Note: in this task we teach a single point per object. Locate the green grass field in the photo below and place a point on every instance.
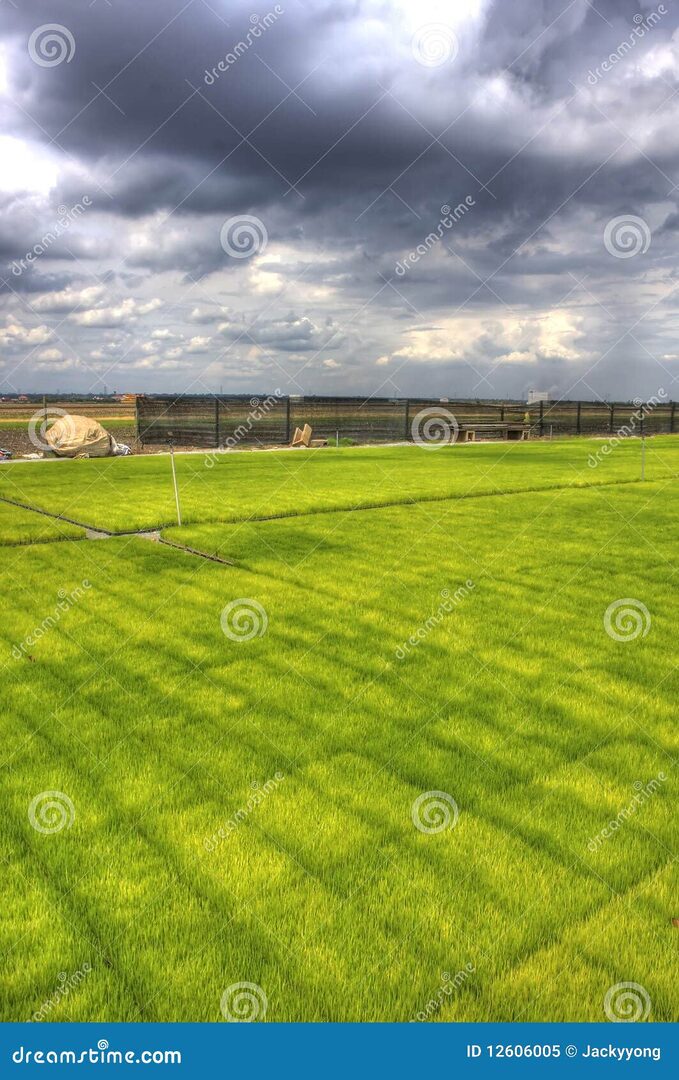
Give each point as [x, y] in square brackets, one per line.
[120, 494]
[111, 423]
[19, 526]
[371, 766]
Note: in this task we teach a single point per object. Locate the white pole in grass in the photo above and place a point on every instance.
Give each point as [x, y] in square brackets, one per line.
[643, 447]
[643, 456]
[176, 490]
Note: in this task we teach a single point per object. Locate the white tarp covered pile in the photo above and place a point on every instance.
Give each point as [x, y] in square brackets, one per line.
[81, 436]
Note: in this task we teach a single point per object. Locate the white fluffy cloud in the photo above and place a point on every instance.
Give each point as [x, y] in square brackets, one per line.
[126, 311]
[505, 339]
[68, 299]
[15, 333]
[198, 344]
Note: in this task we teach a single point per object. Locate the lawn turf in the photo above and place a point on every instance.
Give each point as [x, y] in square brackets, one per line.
[19, 526]
[126, 493]
[516, 703]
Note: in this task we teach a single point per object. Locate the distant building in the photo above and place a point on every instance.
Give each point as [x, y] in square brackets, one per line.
[535, 396]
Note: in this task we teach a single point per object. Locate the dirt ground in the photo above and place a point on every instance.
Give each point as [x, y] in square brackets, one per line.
[21, 446]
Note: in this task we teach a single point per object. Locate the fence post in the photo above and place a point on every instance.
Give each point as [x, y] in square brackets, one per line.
[216, 421]
[407, 420]
[136, 419]
[542, 418]
[502, 414]
[610, 426]
[578, 426]
[673, 403]
[287, 419]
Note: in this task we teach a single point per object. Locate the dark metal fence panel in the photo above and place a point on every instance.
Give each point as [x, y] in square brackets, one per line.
[595, 419]
[658, 421]
[423, 410]
[270, 420]
[259, 421]
[365, 420]
[601, 418]
[180, 421]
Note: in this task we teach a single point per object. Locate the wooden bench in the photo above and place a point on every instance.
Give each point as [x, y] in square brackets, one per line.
[303, 437]
[509, 432]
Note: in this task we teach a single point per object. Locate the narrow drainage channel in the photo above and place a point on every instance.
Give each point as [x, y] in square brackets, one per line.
[103, 534]
[46, 513]
[193, 551]
[156, 538]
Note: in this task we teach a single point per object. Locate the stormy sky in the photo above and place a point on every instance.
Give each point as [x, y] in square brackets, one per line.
[468, 198]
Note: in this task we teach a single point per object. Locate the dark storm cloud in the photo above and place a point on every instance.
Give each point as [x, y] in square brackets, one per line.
[163, 129]
[328, 128]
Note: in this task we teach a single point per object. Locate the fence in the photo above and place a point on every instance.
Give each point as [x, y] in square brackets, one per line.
[268, 421]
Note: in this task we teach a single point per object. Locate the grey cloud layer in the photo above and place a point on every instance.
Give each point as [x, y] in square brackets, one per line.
[329, 129]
